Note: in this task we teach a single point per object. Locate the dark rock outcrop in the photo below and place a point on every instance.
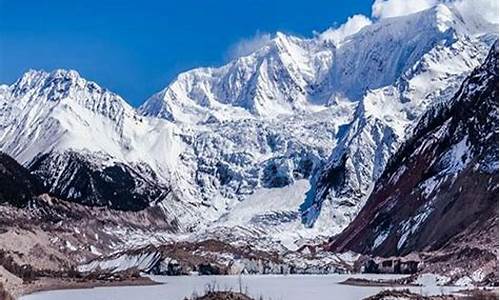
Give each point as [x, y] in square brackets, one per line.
[84, 178]
[17, 185]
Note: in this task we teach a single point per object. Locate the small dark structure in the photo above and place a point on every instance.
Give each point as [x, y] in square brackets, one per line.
[390, 266]
[208, 269]
[409, 267]
[370, 266]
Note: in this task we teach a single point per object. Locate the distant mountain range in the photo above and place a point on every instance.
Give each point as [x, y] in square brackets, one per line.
[378, 137]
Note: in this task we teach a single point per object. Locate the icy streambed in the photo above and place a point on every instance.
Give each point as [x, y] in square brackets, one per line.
[275, 287]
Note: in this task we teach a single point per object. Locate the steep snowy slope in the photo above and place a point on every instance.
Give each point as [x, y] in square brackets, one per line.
[440, 191]
[226, 162]
[83, 139]
[446, 52]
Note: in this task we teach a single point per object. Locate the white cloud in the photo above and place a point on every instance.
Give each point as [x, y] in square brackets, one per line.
[248, 45]
[353, 25]
[487, 9]
[394, 8]
[474, 9]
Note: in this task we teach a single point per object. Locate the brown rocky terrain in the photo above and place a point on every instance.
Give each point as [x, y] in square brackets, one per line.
[4, 295]
[43, 239]
[40, 249]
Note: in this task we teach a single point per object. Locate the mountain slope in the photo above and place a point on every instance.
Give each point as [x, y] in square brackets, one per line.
[384, 116]
[440, 191]
[80, 178]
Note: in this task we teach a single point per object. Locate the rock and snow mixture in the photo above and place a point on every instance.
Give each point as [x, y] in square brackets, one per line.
[439, 194]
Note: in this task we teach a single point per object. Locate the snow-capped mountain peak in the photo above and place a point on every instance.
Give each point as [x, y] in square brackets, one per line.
[317, 118]
[290, 74]
[64, 87]
[271, 81]
[86, 142]
[416, 61]
[60, 110]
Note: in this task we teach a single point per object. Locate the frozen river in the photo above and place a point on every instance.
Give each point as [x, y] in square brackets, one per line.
[275, 287]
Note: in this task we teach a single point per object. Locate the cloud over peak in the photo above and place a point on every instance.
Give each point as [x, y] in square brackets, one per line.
[350, 27]
[247, 46]
[478, 10]
[487, 9]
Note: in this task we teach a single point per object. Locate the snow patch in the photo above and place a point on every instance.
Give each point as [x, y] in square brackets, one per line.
[380, 239]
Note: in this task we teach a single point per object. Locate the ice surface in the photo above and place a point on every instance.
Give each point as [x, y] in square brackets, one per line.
[291, 287]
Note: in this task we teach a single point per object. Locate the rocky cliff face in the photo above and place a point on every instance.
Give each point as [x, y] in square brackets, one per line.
[440, 190]
[17, 185]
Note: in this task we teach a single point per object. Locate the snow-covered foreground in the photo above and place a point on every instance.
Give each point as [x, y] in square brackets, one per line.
[275, 287]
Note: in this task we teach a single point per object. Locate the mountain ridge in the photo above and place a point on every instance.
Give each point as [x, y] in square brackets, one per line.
[271, 120]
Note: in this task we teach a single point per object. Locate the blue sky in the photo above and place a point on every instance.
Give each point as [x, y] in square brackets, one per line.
[136, 47]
